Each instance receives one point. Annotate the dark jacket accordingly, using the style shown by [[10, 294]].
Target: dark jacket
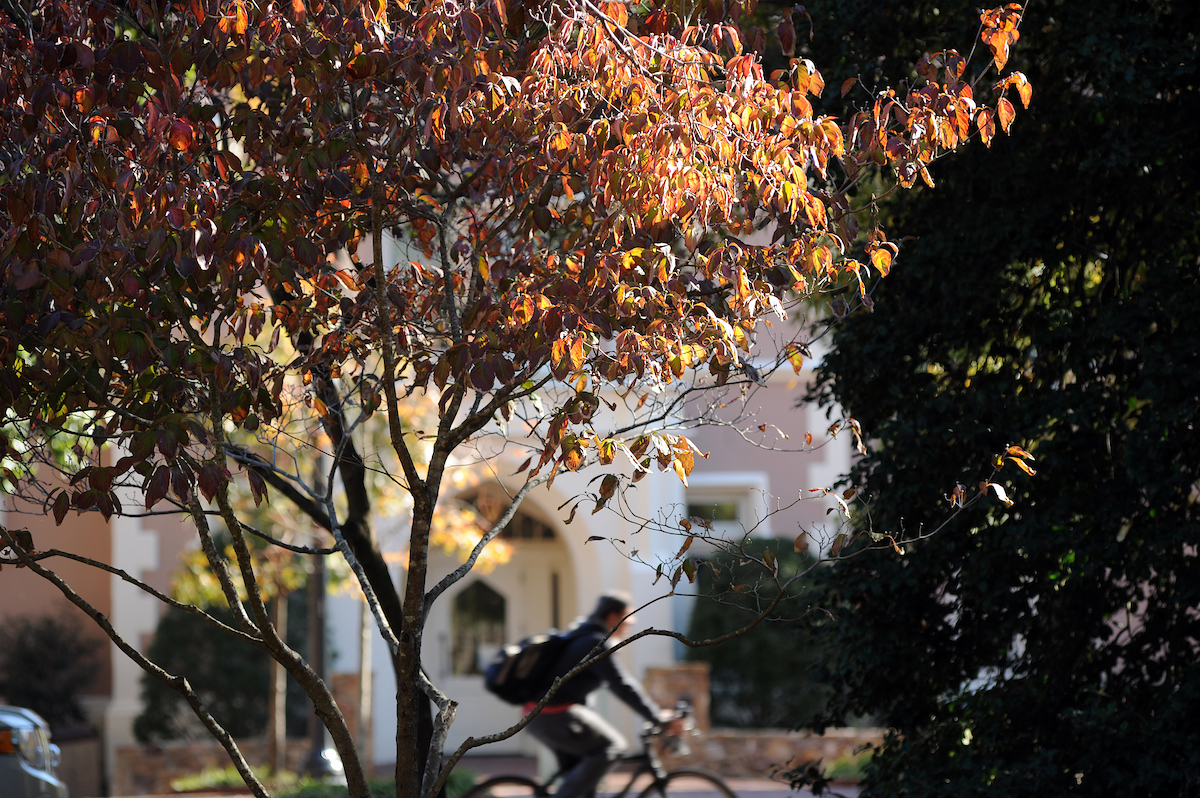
[[607, 672]]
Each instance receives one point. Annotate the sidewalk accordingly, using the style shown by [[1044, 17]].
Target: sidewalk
[[487, 766]]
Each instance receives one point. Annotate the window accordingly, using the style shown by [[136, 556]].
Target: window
[[714, 511], [522, 527], [476, 628], [491, 503]]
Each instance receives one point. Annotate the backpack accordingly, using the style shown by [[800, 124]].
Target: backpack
[[524, 671]]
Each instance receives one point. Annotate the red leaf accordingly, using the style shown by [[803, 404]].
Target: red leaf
[[209, 480], [157, 487], [61, 505], [258, 487], [472, 27], [182, 135], [787, 35]]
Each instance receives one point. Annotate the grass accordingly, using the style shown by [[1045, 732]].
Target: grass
[[291, 785]]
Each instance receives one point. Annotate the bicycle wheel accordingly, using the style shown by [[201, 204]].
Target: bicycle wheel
[[689, 784], [507, 787]]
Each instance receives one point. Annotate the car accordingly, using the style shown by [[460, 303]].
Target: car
[[27, 757]]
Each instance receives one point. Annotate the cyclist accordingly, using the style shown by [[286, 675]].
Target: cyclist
[[584, 743]]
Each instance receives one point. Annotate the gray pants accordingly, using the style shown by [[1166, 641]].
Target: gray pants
[[585, 744]]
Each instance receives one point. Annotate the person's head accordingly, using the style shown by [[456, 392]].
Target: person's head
[[611, 609]]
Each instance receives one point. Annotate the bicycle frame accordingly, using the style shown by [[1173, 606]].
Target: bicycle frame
[[648, 761]]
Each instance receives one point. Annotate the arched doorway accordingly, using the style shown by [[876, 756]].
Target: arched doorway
[[531, 593]]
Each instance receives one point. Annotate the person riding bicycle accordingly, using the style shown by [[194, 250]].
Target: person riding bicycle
[[584, 743]]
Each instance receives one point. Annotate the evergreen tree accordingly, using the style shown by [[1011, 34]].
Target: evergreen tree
[[1051, 298], [760, 679], [227, 674], [46, 661]]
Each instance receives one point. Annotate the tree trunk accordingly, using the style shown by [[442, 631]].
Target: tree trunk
[[277, 709], [365, 693]]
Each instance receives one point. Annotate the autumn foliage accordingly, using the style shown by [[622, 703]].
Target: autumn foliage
[[572, 186]]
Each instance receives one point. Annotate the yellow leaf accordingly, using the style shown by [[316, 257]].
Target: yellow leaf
[[881, 258]]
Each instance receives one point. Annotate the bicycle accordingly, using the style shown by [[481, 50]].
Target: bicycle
[[665, 784]]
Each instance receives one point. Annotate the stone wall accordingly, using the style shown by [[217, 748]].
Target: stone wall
[[149, 769], [744, 752], [767, 752]]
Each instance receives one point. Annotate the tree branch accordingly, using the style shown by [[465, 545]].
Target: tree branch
[[177, 683]]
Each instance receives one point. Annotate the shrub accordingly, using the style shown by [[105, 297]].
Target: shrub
[[45, 662]]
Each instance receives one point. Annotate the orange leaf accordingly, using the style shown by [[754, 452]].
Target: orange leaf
[[1006, 113], [577, 354], [881, 258], [1023, 466], [1017, 451], [181, 135], [241, 20], [987, 126], [1023, 88], [679, 472]]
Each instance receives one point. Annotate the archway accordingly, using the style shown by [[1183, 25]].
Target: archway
[[533, 592]]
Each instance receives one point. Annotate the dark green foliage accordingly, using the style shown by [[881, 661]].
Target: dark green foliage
[[229, 676], [760, 679], [45, 661], [1051, 298]]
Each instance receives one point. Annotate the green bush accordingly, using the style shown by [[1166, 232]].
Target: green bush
[[45, 661], [229, 676], [851, 767], [760, 679]]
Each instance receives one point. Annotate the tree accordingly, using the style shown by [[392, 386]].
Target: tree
[[1050, 297], [188, 188], [45, 663]]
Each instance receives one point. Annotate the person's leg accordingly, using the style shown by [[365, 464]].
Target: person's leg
[[581, 733]]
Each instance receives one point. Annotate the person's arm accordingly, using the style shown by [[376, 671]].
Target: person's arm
[[628, 689]]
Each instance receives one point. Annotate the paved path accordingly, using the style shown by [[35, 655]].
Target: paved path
[[487, 767]]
